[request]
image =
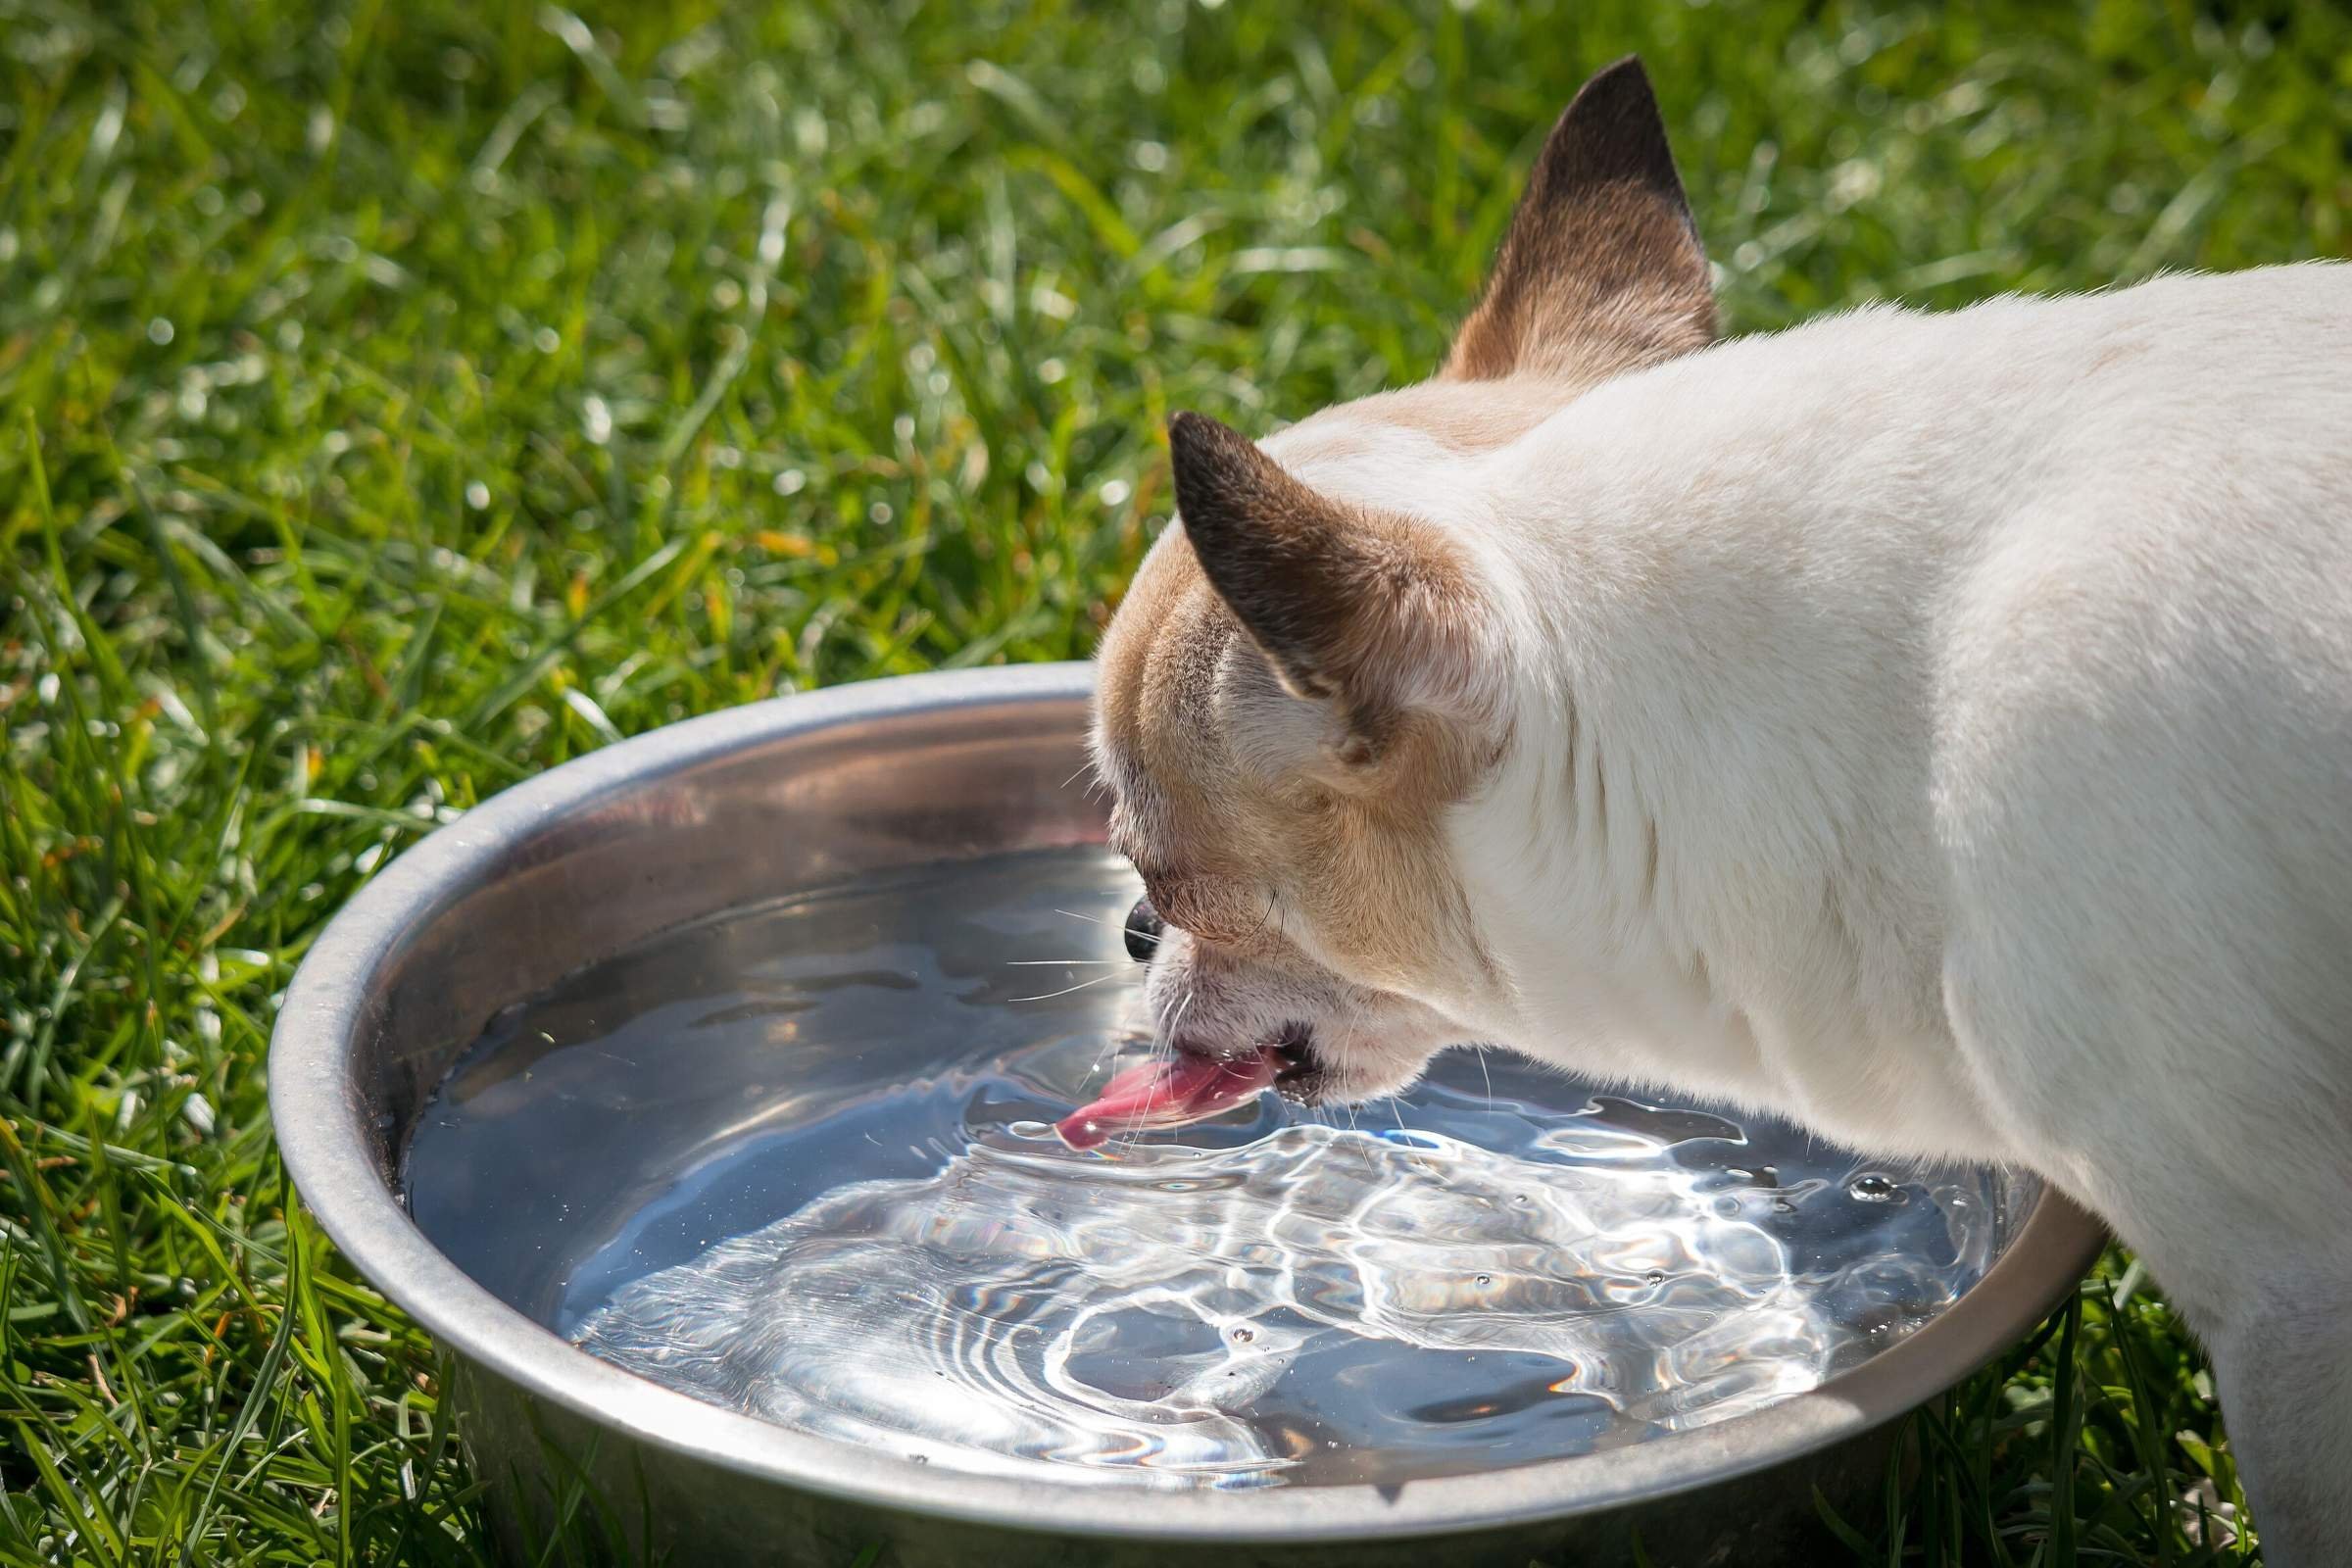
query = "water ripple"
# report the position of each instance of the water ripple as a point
(1519, 1270)
(1242, 1316)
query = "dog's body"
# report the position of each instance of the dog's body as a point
(1934, 728)
(1938, 729)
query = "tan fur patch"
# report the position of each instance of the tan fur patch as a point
(1464, 417)
(1353, 848)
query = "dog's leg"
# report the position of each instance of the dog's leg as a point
(2148, 847)
(2285, 1369)
(2265, 1280)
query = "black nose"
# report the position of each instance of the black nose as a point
(1144, 926)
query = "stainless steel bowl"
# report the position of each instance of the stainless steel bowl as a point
(590, 857)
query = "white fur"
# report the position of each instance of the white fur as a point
(1985, 680)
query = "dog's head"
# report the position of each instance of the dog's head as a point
(1312, 670)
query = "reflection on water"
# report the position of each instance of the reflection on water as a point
(796, 1162)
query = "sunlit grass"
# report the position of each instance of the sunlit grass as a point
(396, 400)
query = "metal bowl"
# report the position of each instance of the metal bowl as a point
(597, 1464)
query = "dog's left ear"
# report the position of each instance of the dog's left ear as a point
(1371, 612)
(1602, 269)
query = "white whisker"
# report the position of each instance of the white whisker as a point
(1048, 996)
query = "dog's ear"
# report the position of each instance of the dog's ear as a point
(1601, 269)
(1371, 612)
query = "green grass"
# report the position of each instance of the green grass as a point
(398, 399)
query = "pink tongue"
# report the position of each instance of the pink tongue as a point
(1182, 1089)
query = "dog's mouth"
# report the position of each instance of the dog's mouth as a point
(1298, 1072)
(1190, 1085)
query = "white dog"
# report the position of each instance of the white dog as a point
(1935, 728)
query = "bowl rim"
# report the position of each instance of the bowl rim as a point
(326, 1148)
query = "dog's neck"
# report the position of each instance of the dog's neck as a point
(1712, 843)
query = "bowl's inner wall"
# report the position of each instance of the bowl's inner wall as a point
(732, 828)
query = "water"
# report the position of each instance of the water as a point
(797, 1161)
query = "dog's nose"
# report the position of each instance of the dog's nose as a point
(1144, 926)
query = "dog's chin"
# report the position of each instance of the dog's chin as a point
(1309, 1076)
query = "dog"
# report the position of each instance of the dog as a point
(1934, 728)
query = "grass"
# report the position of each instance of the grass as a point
(396, 400)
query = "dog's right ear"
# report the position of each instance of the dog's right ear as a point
(1371, 615)
(1602, 269)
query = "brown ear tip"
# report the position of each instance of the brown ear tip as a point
(1625, 78)
(1200, 444)
(1189, 429)
(1199, 451)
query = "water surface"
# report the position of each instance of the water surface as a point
(795, 1162)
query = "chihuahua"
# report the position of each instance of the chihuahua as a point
(1934, 728)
